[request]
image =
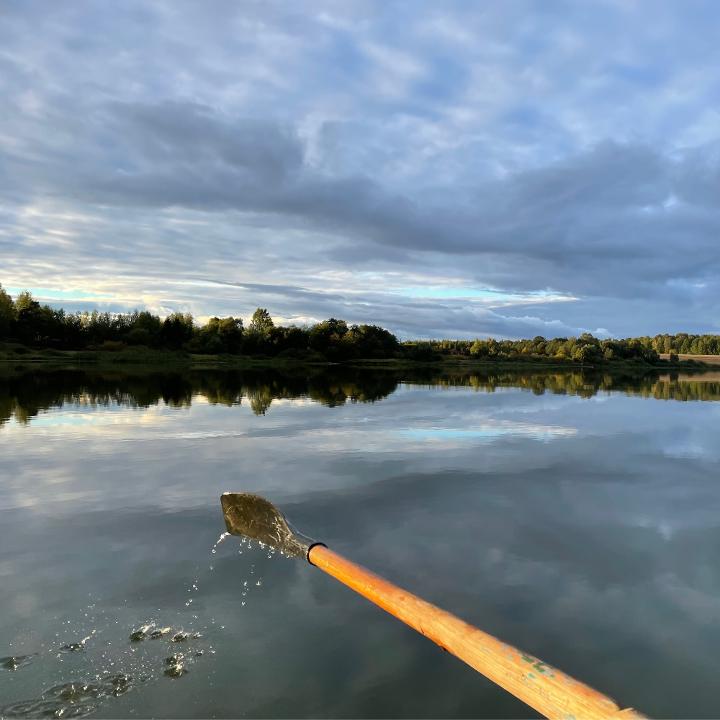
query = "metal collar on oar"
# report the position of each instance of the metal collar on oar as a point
(255, 517)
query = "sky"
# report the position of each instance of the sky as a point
(458, 169)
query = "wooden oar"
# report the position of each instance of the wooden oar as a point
(547, 690)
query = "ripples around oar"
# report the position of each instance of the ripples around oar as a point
(170, 651)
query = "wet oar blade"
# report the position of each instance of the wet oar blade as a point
(255, 517)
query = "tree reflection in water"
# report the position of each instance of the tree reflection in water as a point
(25, 392)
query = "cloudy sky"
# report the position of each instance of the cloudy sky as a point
(456, 169)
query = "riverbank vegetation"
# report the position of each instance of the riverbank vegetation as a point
(31, 330)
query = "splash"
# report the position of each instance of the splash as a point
(246, 544)
(222, 537)
(175, 665)
(160, 632)
(156, 649)
(72, 699)
(15, 662)
(77, 646)
(139, 634)
(195, 584)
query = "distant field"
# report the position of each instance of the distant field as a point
(709, 359)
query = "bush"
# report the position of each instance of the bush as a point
(301, 355)
(112, 346)
(420, 352)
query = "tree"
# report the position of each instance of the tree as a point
(261, 322)
(36, 324)
(144, 328)
(587, 353)
(420, 351)
(326, 338)
(177, 329)
(369, 341)
(24, 301)
(7, 313)
(219, 336)
(291, 341)
(230, 331)
(478, 348)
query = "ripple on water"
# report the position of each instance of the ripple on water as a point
(71, 699)
(80, 698)
(77, 646)
(160, 632)
(140, 633)
(175, 665)
(15, 662)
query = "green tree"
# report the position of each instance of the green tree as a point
(261, 322)
(369, 341)
(177, 329)
(326, 338)
(230, 331)
(24, 301)
(478, 348)
(420, 351)
(143, 328)
(36, 324)
(7, 313)
(587, 353)
(219, 336)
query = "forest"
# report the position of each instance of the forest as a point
(26, 321)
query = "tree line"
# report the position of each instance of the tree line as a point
(683, 343)
(27, 321)
(585, 349)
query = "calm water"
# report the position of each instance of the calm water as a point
(577, 517)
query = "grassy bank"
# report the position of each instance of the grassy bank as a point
(20, 355)
(12, 353)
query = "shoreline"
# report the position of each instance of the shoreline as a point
(21, 356)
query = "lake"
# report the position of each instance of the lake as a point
(574, 515)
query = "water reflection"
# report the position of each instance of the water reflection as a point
(563, 512)
(487, 432)
(26, 393)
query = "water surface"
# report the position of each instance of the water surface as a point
(576, 516)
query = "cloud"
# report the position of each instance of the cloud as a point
(319, 162)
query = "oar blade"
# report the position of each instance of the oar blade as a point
(255, 517)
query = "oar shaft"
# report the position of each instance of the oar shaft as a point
(540, 686)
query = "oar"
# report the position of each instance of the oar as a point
(547, 690)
